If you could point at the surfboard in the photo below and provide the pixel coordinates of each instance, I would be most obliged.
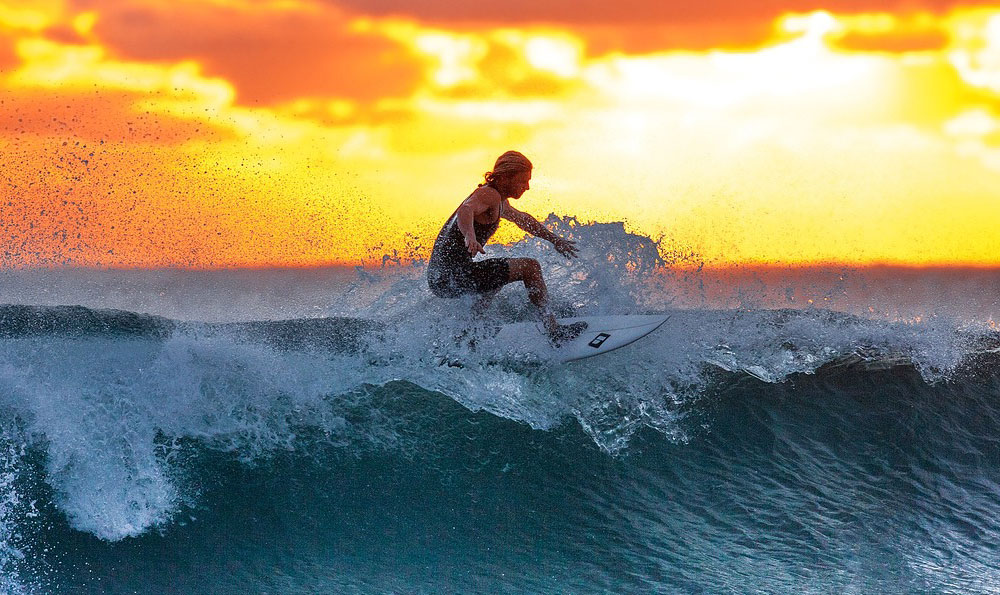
(602, 335)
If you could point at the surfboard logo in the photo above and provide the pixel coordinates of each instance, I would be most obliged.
(598, 340)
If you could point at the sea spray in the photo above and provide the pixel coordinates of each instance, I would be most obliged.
(13, 511)
(154, 438)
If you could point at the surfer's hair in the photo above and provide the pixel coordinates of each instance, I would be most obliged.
(506, 165)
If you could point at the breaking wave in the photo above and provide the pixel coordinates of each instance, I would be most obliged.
(117, 426)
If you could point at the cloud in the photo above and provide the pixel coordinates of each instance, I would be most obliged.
(643, 26)
(270, 53)
(890, 33)
(8, 57)
(648, 37)
(976, 51)
(894, 41)
(525, 63)
(628, 12)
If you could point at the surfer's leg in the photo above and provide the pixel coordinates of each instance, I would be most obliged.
(529, 272)
(487, 278)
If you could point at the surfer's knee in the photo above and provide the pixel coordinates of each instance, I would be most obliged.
(525, 269)
(533, 269)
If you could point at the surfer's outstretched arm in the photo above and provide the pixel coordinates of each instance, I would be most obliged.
(534, 227)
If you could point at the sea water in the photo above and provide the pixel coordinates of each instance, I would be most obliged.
(343, 431)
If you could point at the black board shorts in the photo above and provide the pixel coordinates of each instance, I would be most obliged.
(481, 276)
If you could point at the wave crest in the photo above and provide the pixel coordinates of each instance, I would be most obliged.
(112, 396)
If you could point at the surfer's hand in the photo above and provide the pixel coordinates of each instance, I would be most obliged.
(474, 247)
(565, 247)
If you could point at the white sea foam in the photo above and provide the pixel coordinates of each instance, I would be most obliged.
(12, 509)
(108, 410)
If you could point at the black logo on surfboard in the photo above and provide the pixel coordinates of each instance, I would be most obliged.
(598, 340)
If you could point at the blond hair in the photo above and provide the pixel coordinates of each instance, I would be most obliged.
(509, 163)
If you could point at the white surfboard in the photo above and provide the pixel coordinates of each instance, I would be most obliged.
(603, 334)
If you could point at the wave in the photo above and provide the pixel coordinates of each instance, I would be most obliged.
(111, 419)
(209, 428)
(104, 388)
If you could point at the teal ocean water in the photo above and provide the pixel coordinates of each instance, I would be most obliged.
(345, 432)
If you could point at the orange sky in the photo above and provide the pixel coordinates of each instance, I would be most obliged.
(307, 132)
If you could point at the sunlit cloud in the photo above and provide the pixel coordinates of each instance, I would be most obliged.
(974, 123)
(30, 17)
(496, 62)
(624, 13)
(270, 52)
(976, 55)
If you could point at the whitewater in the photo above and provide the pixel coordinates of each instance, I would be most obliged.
(345, 431)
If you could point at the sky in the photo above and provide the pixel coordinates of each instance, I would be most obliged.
(234, 133)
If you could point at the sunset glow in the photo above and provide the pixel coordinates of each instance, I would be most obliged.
(307, 132)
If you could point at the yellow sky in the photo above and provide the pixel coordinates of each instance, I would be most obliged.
(300, 132)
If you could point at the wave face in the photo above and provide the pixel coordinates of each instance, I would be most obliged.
(385, 447)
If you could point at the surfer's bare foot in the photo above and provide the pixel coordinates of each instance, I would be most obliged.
(562, 333)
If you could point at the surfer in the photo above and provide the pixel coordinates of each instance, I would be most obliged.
(452, 272)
